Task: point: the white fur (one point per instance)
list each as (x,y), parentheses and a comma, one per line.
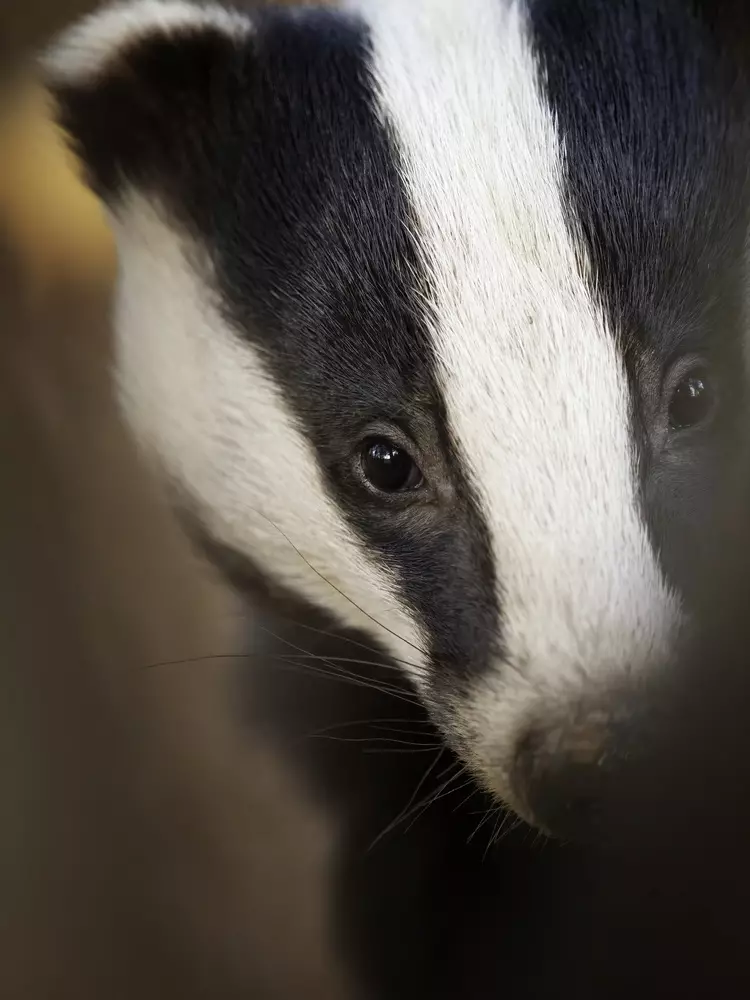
(198,397)
(85,50)
(535,389)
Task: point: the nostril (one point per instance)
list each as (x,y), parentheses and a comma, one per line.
(561,774)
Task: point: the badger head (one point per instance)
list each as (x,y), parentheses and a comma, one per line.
(435,312)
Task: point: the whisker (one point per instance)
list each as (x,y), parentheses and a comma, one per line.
(337,590)
(408,732)
(398,693)
(338,661)
(310,670)
(376,739)
(487,814)
(407,807)
(354,642)
(343,637)
(513,827)
(348,659)
(492,839)
(263,654)
(339,671)
(469,797)
(414,813)
(334,675)
(421,807)
(375,723)
(187,660)
(440,793)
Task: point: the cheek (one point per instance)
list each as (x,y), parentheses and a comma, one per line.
(692,501)
(447,579)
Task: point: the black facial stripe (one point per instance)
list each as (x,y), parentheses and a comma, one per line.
(651,115)
(272,151)
(650,103)
(325,272)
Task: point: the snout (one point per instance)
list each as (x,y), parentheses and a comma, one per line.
(568,771)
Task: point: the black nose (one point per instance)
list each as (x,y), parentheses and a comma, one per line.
(566,775)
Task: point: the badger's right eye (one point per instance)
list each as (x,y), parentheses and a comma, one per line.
(387,467)
(692,401)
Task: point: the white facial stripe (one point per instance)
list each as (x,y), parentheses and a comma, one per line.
(198,397)
(84,51)
(535,390)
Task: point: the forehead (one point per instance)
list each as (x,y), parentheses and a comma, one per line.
(530,135)
(294,147)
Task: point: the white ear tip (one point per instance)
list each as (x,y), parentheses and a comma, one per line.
(83,52)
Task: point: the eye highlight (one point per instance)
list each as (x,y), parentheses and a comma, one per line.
(692,401)
(387,467)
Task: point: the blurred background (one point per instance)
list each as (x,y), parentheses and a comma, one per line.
(149,845)
(54,222)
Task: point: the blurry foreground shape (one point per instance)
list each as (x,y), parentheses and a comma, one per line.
(149,847)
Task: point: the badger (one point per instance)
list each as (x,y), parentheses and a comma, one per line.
(434,312)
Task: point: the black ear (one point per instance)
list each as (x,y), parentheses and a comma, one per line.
(140,86)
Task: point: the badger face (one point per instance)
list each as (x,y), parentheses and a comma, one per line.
(435,311)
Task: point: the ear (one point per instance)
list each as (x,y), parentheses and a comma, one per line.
(139,84)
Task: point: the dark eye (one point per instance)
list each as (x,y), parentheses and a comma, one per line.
(692,401)
(389,468)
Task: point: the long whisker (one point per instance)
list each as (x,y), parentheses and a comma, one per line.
(338,591)
(186,660)
(492,839)
(508,827)
(436,793)
(346,659)
(399,693)
(345,677)
(311,670)
(508,824)
(486,814)
(329,633)
(407,732)
(378,739)
(409,804)
(440,793)
(474,791)
(379,724)
(354,642)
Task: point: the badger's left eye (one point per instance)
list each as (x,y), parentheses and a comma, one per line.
(387,467)
(692,401)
